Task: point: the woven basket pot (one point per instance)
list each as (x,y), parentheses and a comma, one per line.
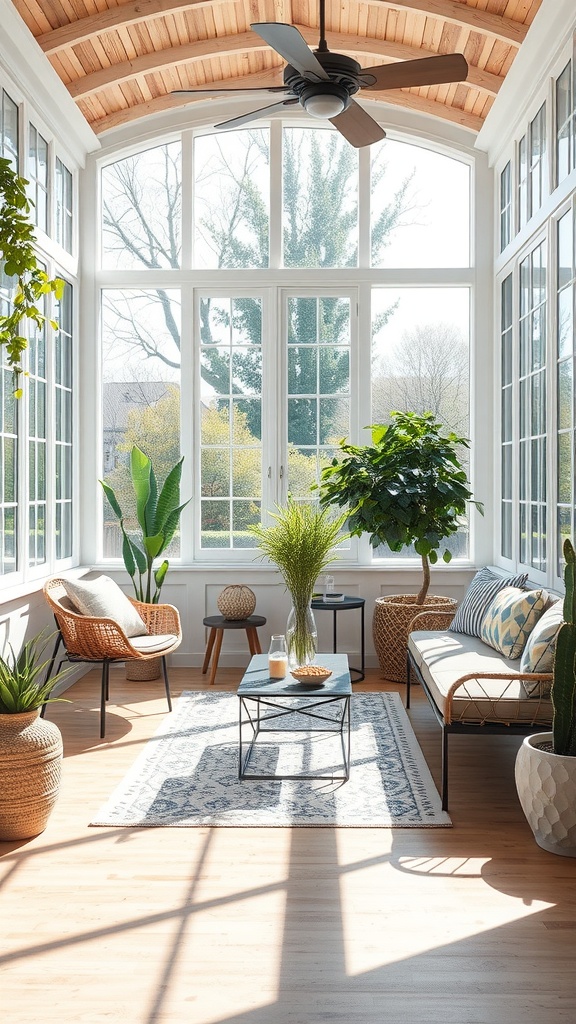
(236,601)
(391,626)
(30,768)
(143,671)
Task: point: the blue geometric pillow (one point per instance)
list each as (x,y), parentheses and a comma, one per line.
(538,655)
(510,618)
(483,588)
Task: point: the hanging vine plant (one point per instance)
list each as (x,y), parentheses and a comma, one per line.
(19,261)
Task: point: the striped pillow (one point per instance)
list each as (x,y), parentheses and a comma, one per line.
(481,592)
(510,618)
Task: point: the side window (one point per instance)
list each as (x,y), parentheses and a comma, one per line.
(532,410)
(63,206)
(9,129)
(37,174)
(506,433)
(505,207)
(565,353)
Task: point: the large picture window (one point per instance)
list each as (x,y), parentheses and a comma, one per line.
(268,362)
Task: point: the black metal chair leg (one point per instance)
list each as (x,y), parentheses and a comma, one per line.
(51,666)
(166,684)
(104,697)
(444,768)
(408,681)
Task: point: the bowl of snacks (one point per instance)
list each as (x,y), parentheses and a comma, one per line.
(311,675)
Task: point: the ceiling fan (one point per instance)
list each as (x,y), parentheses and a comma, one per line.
(324,83)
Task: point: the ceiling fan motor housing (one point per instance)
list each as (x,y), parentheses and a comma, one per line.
(342,83)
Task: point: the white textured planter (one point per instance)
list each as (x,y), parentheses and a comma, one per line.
(546,784)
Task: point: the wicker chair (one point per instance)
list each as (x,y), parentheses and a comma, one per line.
(91,639)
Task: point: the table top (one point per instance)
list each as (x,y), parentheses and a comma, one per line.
(256,681)
(348,602)
(219,622)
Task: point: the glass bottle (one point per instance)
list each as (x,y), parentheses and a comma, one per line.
(277,657)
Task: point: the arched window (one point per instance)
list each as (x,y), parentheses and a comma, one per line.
(254,309)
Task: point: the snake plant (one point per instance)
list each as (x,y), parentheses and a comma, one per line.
(158,516)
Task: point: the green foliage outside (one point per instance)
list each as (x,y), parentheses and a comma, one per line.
(19,259)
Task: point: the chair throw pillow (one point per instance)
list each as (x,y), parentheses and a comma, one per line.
(538,655)
(104,599)
(510,618)
(482,589)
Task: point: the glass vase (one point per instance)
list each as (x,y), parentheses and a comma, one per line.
(301,636)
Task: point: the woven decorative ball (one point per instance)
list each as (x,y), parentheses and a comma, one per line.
(236,601)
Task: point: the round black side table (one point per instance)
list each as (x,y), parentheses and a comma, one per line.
(319,604)
(217,625)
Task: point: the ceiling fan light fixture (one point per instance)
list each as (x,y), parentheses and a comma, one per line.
(325,100)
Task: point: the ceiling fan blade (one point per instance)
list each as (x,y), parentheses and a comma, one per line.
(252,115)
(290,44)
(229,92)
(357,126)
(446,67)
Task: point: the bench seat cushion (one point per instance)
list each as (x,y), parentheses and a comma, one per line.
(444,657)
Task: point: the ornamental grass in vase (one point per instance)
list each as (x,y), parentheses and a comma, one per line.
(301,543)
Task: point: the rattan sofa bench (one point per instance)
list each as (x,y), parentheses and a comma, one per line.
(471,688)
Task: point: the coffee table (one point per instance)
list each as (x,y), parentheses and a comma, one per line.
(265,702)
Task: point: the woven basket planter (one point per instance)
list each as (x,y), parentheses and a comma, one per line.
(30,768)
(144,670)
(391,625)
(236,601)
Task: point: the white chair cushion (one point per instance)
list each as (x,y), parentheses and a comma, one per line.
(102,598)
(153,644)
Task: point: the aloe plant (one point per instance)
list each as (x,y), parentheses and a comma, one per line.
(564,680)
(158,515)
(20,674)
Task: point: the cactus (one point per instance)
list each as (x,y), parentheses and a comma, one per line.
(564,682)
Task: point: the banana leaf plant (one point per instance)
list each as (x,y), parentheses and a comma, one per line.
(158,515)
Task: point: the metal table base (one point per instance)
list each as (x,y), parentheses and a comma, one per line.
(264,703)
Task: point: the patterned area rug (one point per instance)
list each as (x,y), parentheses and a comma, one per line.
(187,775)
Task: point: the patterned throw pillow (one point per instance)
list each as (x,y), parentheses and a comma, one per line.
(510,618)
(104,599)
(538,655)
(485,585)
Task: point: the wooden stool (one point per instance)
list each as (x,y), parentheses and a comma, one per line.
(218,624)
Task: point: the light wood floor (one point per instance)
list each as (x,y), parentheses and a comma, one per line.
(469,925)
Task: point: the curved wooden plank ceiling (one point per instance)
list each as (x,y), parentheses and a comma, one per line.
(121,60)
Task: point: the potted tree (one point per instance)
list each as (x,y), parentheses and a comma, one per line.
(546,762)
(18,255)
(407,487)
(301,543)
(158,515)
(30,747)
